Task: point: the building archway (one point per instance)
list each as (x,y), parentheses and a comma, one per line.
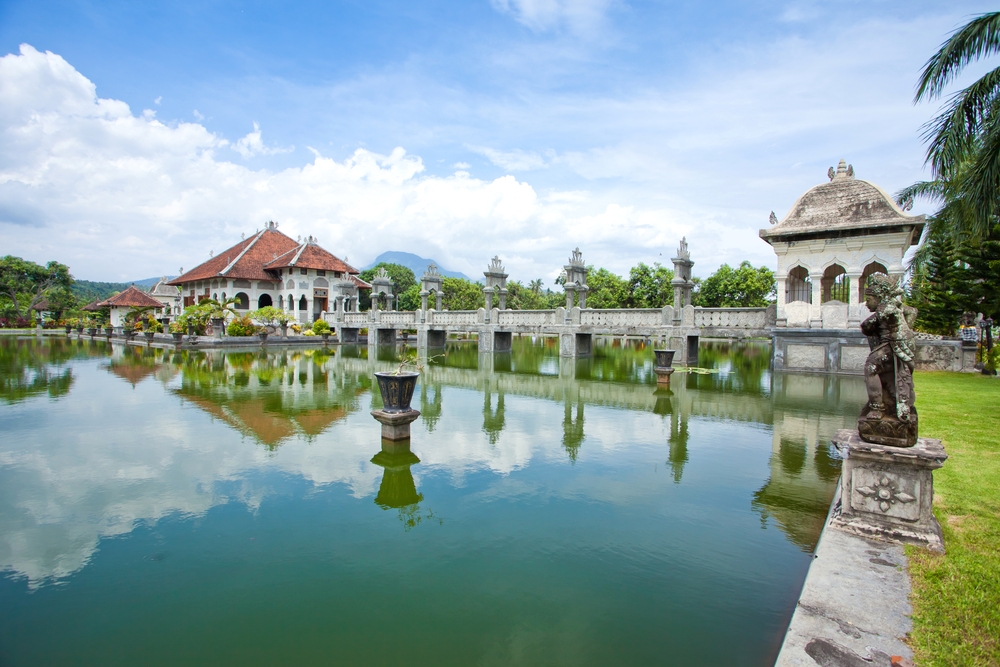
(836,285)
(870,270)
(798,285)
(264,301)
(303,303)
(242,301)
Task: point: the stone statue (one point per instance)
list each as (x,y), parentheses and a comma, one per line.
(889,418)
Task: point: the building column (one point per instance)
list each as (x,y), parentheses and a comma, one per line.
(569,297)
(853,317)
(780,286)
(583,296)
(815,308)
(437,299)
(503,298)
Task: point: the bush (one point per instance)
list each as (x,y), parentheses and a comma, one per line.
(308,332)
(242,326)
(320,327)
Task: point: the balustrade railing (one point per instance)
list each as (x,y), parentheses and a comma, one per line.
(622,317)
(731,318)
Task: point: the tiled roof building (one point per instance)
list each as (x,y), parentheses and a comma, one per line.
(270,268)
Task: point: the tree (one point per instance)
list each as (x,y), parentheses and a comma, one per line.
(981,272)
(536,285)
(743,287)
(650,287)
(402,279)
(520,297)
(410,299)
(607,290)
(964,148)
(26,284)
(934,287)
(462,294)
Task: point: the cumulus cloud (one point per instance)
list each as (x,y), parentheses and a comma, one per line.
(252,144)
(83,179)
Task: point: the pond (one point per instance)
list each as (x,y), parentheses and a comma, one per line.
(233,508)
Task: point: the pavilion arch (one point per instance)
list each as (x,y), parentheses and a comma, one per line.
(798,285)
(870,270)
(264,301)
(215,296)
(242,301)
(835,285)
(303,303)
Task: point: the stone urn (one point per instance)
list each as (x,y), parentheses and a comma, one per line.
(284,329)
(92,331)
(79,330)
(218,327)
(663,368)
(69,328)
(128,331)
(263,337)
(396,390)
(178,336)
(149,336)
(108,331)
(326,338)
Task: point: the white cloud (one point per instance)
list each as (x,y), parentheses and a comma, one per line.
(461,165)
(198,115)
(541,15)
(82,180)
(158,99)
(515,160)
(252,144)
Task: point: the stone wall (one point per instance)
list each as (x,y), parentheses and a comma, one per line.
(844,352)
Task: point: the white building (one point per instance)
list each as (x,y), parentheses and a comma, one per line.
(833,238)
(271,269)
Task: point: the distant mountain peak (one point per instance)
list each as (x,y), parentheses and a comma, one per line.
(414,263)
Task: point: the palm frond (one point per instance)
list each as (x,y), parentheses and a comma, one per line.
(977,39)
(951,136)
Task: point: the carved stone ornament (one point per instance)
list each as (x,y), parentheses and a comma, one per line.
(885,493)
(773,219)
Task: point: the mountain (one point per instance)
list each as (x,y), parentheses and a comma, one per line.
(89,290)
(414,263)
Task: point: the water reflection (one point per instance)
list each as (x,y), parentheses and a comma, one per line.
(307,397)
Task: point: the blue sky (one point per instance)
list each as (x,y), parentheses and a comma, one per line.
(456,130)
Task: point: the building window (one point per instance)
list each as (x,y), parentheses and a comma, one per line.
(264,300)
(303,303)
(242,301)
(291,303)
(836,286)
(304,272)
(320,272)
(798,286)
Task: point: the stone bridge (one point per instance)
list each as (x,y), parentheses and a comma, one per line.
(679,329)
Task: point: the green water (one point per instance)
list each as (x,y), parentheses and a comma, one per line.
(210,508)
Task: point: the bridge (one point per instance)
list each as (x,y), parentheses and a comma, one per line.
(678,329)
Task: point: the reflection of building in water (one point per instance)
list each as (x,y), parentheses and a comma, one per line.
(678,442)
(804,468)
(430,409)
(493,421)
(572,428)
(270,397)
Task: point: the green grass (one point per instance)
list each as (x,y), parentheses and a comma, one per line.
(956,596)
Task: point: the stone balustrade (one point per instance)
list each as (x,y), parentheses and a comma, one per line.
(731,318)
(622,317)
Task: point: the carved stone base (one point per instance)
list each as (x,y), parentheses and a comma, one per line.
(887,492)
(395,425)
(889,430)
(663,375)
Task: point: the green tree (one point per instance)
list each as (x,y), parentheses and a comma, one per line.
(402,279)
(520,297)
(25,283)
(410,299)
(980,290)
(462,294)
(742,287)
(935,285)
(650,287)
(607,290)
(964,139)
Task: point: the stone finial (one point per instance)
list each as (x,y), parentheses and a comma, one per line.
(773,219)
(381,274)
(432,271)
(682,249)
(495,265)
(844,170)
(576,259)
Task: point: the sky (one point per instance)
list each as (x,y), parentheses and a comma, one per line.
(138,138)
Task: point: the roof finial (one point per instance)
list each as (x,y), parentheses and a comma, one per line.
(773,219)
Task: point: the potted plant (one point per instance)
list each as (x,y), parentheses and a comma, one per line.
(177,331)
(272,319)
(69,326)
(263,337)
(397,386)
(322,328)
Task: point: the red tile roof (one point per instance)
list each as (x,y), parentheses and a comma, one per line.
(133,297)
(244,260)
(308,255)
(360,283)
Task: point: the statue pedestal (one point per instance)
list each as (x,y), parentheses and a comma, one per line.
(663,375)
(395,425)
(887,492)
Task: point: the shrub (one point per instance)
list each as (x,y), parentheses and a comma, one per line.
(320,327)
(308,332)
(242,326)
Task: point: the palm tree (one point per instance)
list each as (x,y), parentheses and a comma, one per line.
(536,285)
(964,139)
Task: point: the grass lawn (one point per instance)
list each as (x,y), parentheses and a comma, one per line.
(956,597)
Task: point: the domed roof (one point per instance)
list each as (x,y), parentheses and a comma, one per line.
(840,207)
